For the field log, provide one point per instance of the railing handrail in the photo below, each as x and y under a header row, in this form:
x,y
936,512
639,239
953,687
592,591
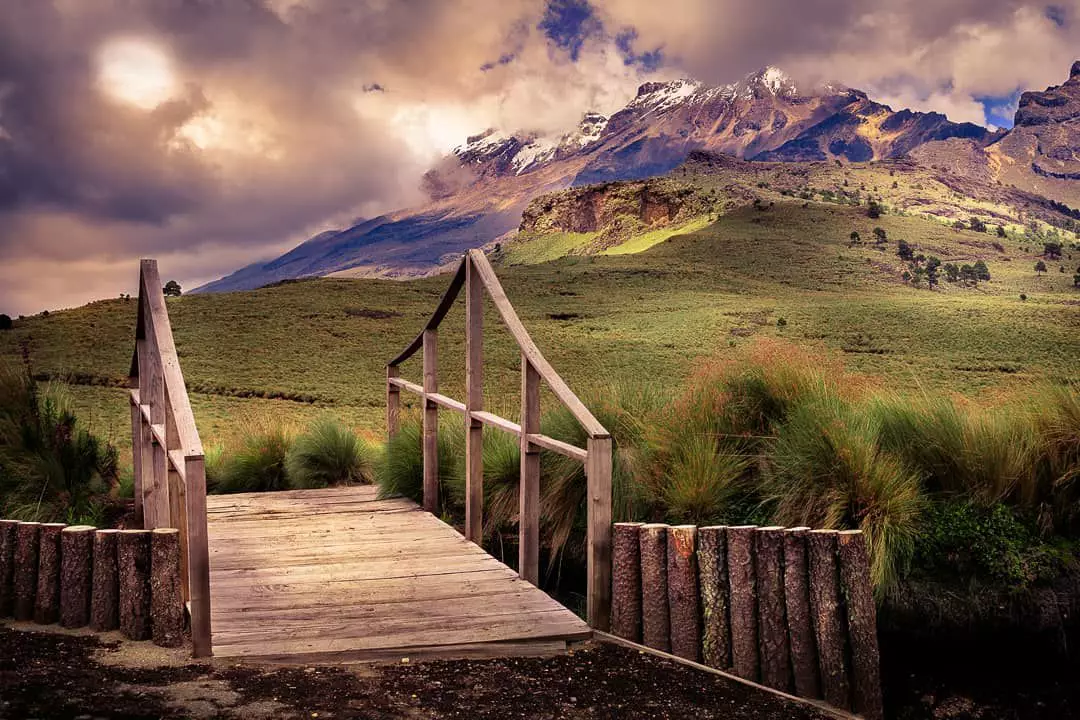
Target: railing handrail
x,y
476,275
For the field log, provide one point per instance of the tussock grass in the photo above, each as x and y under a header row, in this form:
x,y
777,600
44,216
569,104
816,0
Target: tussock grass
x,y
256,460
330,454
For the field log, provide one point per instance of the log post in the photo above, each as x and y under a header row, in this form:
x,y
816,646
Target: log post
x,y
47,600
828,623
76,560
166,596
804,662
431,421
133,554
626,582
105,595
683,592
862,624
772,623
743,588
655,621
8,530
713,584
27,542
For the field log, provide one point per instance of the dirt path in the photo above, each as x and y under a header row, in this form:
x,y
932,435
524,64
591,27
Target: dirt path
x,y
64,675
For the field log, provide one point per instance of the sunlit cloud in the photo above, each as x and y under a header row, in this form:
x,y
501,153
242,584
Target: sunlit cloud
x,y
137,72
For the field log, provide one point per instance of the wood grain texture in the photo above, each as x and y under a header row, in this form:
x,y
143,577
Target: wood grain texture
x,y
742,581
47,598
626,581
529,485
431,422
715,597
76,565
474,401
166,596
682,574
858,593
804,662
133,561
828,618
7,567
772,622
105,594
655,617
27,539
598,470
393,402
359,579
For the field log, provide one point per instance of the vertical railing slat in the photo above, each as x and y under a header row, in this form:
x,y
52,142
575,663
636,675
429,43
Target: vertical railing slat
x,y
198,570
393,403
529,487
474,401
598,468
137,456
431,421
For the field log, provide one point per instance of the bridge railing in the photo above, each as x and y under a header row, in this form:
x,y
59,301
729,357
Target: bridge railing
x,y
169,466
477,276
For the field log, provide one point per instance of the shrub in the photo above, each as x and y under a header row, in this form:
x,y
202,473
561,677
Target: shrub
x,y
1040,267
879,235
981,271
329,454
977,225
257,461
5,322
873,209
905,251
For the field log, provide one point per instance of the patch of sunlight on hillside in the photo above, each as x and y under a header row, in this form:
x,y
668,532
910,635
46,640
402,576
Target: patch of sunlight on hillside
x,y
547,247
641,243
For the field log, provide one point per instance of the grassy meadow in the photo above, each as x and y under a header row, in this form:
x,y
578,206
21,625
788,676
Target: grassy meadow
x,y
303,349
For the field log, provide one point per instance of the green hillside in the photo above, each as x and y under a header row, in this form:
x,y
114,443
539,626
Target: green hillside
x,y
788,270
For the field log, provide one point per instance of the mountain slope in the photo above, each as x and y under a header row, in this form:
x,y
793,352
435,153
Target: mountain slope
x,y
479,192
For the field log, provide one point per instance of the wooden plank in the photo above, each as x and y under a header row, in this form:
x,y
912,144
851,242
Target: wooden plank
x,y
351,571
446,402
528,347
598,470
474,402
137,455
432,552
443,307
405,385
495,421
156,486
468,651
393,402
529,485
177,463
549,443
431,421
198,570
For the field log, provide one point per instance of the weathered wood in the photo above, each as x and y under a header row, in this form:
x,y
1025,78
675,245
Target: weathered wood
x,y
133,555
8,529
772,624
76,575
27,544
655,616
198,553
861,623
431,422
682,575
105,594
166,598
137,454
743,593
715,603
47,598
474,401
393,403
152,391
529,486
365,598
804,661
598,469
626,581
828,622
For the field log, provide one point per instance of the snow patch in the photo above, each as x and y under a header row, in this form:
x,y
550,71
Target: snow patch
x,y
533,153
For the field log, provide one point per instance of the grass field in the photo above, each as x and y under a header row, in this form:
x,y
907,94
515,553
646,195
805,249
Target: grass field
x,y
306,348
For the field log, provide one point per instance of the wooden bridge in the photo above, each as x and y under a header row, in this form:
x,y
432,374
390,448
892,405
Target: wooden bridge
x,y
339,574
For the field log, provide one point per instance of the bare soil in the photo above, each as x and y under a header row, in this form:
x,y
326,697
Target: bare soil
x,y
53,674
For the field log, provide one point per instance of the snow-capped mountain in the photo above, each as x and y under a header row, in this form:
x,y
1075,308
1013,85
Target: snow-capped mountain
x,y
479,191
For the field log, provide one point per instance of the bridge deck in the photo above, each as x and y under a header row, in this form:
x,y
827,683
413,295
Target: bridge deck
x,y
338,575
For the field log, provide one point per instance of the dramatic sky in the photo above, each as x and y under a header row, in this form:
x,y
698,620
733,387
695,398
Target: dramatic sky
x,y
212,133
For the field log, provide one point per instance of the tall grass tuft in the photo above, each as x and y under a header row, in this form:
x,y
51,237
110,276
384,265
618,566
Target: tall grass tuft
x,y
330,454
257,460
826,470
701,485
400,470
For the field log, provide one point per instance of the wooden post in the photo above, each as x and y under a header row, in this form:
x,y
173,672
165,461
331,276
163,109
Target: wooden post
x,y
133,550
742,582
166,598
804,662
47,599
655,617
105,595
772,624
155,460
862,624
136,459
27,544
626,582
713,582
393,403
529,489
76,560
598,470
474,402
682,577
198,557
828,623
431,421
8,530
